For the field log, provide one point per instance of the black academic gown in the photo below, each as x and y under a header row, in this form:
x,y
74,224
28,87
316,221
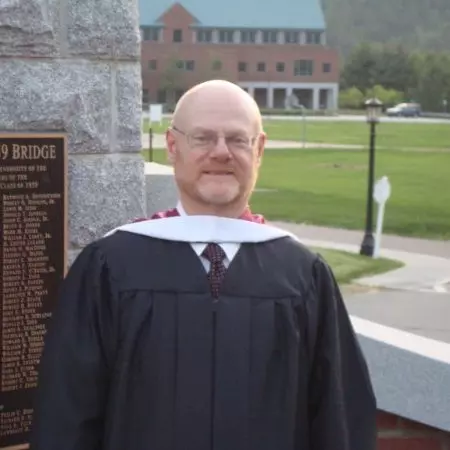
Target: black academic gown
x,y
141,357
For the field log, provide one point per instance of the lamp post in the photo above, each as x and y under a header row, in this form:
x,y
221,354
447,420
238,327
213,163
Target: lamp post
x,y
373,110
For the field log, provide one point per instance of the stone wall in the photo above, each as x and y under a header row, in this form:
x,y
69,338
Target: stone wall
x,y
74,66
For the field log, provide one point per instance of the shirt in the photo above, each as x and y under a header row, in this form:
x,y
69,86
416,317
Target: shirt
x,y
230,248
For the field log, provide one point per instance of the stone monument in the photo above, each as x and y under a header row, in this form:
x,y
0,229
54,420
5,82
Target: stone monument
x,y
70,164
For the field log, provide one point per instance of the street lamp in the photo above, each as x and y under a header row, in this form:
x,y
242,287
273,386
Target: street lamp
x,y
373,110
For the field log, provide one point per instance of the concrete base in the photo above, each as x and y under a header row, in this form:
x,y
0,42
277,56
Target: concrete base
x,y
161,190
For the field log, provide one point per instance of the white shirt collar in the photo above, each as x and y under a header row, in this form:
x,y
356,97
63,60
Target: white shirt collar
x,y
230,248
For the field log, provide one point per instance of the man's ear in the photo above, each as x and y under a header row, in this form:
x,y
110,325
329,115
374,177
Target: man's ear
x,y
170,146
261,144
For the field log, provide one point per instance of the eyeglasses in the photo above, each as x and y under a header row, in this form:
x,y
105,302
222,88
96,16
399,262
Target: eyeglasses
x,y
207,140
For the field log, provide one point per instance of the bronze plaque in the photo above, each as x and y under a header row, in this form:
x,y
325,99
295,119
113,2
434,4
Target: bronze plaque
x,y
33,254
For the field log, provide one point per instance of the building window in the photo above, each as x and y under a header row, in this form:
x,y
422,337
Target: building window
x,y
292,37
152,64
270,37
326,67
217,65
185,65
303,67
280,67
161,96
248,36
177,35
261,67
204,36
145,96
313,37
226,36
242,67
150,34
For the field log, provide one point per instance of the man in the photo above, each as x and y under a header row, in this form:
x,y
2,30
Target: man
x,y
205,329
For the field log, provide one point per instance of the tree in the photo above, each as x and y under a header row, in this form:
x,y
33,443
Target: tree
x,y
433,80
351,98
171,80
360,69
393,74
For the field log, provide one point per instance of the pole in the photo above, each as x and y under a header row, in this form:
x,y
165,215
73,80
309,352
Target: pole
x,y
304,126
150,144
368,244
379,230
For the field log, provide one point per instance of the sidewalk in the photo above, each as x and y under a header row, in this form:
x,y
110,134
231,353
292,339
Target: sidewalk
x,y
354,237
414,298
427,263
159,142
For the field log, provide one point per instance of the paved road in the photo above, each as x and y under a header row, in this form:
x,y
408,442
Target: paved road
x,y
362,118
159,142
407,308
349,118
354,237
425,314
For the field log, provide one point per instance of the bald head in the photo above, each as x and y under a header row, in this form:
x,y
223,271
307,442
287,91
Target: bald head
x,y
216,97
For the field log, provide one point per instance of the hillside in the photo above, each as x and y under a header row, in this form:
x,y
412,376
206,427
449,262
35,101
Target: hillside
x,y
416,24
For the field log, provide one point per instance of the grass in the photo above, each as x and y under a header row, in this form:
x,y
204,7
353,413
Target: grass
x,y
389,134
349,266
329,187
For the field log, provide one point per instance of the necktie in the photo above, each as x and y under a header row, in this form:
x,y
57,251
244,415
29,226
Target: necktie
x,y
215,255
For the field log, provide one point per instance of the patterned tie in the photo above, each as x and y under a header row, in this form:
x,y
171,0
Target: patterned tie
x,y
215,255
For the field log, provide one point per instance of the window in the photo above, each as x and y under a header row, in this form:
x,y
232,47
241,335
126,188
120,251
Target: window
x,y
217,65
326,67
153,64
161,96
303,67
204,36
150,34
248,37
145,96
242,67
270,37
177,35
291,37
261,67
280,67
313,37
226,36
185,65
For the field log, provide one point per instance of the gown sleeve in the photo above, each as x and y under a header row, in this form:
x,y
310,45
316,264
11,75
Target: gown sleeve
x,y
342,404
74,367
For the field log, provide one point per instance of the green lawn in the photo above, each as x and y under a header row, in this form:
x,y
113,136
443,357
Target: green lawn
x,y
390,135
349,266
328,187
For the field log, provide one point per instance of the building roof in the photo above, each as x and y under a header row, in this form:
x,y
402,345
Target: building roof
x,y
271,14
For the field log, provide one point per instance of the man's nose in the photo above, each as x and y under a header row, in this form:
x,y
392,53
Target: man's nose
x,y
221,149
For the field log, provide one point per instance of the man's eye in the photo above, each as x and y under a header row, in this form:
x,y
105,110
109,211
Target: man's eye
x,y
240,140
200,138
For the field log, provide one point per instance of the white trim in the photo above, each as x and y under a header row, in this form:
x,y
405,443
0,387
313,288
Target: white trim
x,y
419,345
205,229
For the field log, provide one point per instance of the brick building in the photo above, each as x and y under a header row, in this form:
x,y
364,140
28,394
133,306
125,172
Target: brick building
x,y
271,49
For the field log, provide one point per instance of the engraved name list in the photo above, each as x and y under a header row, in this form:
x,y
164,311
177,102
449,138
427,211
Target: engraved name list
x,y
33,226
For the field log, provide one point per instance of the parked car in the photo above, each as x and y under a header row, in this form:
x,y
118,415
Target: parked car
x,y
404,110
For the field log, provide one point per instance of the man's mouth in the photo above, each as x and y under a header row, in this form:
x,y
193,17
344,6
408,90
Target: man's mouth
x,y
218,172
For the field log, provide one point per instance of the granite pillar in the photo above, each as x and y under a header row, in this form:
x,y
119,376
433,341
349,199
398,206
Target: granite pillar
x,y
73,66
